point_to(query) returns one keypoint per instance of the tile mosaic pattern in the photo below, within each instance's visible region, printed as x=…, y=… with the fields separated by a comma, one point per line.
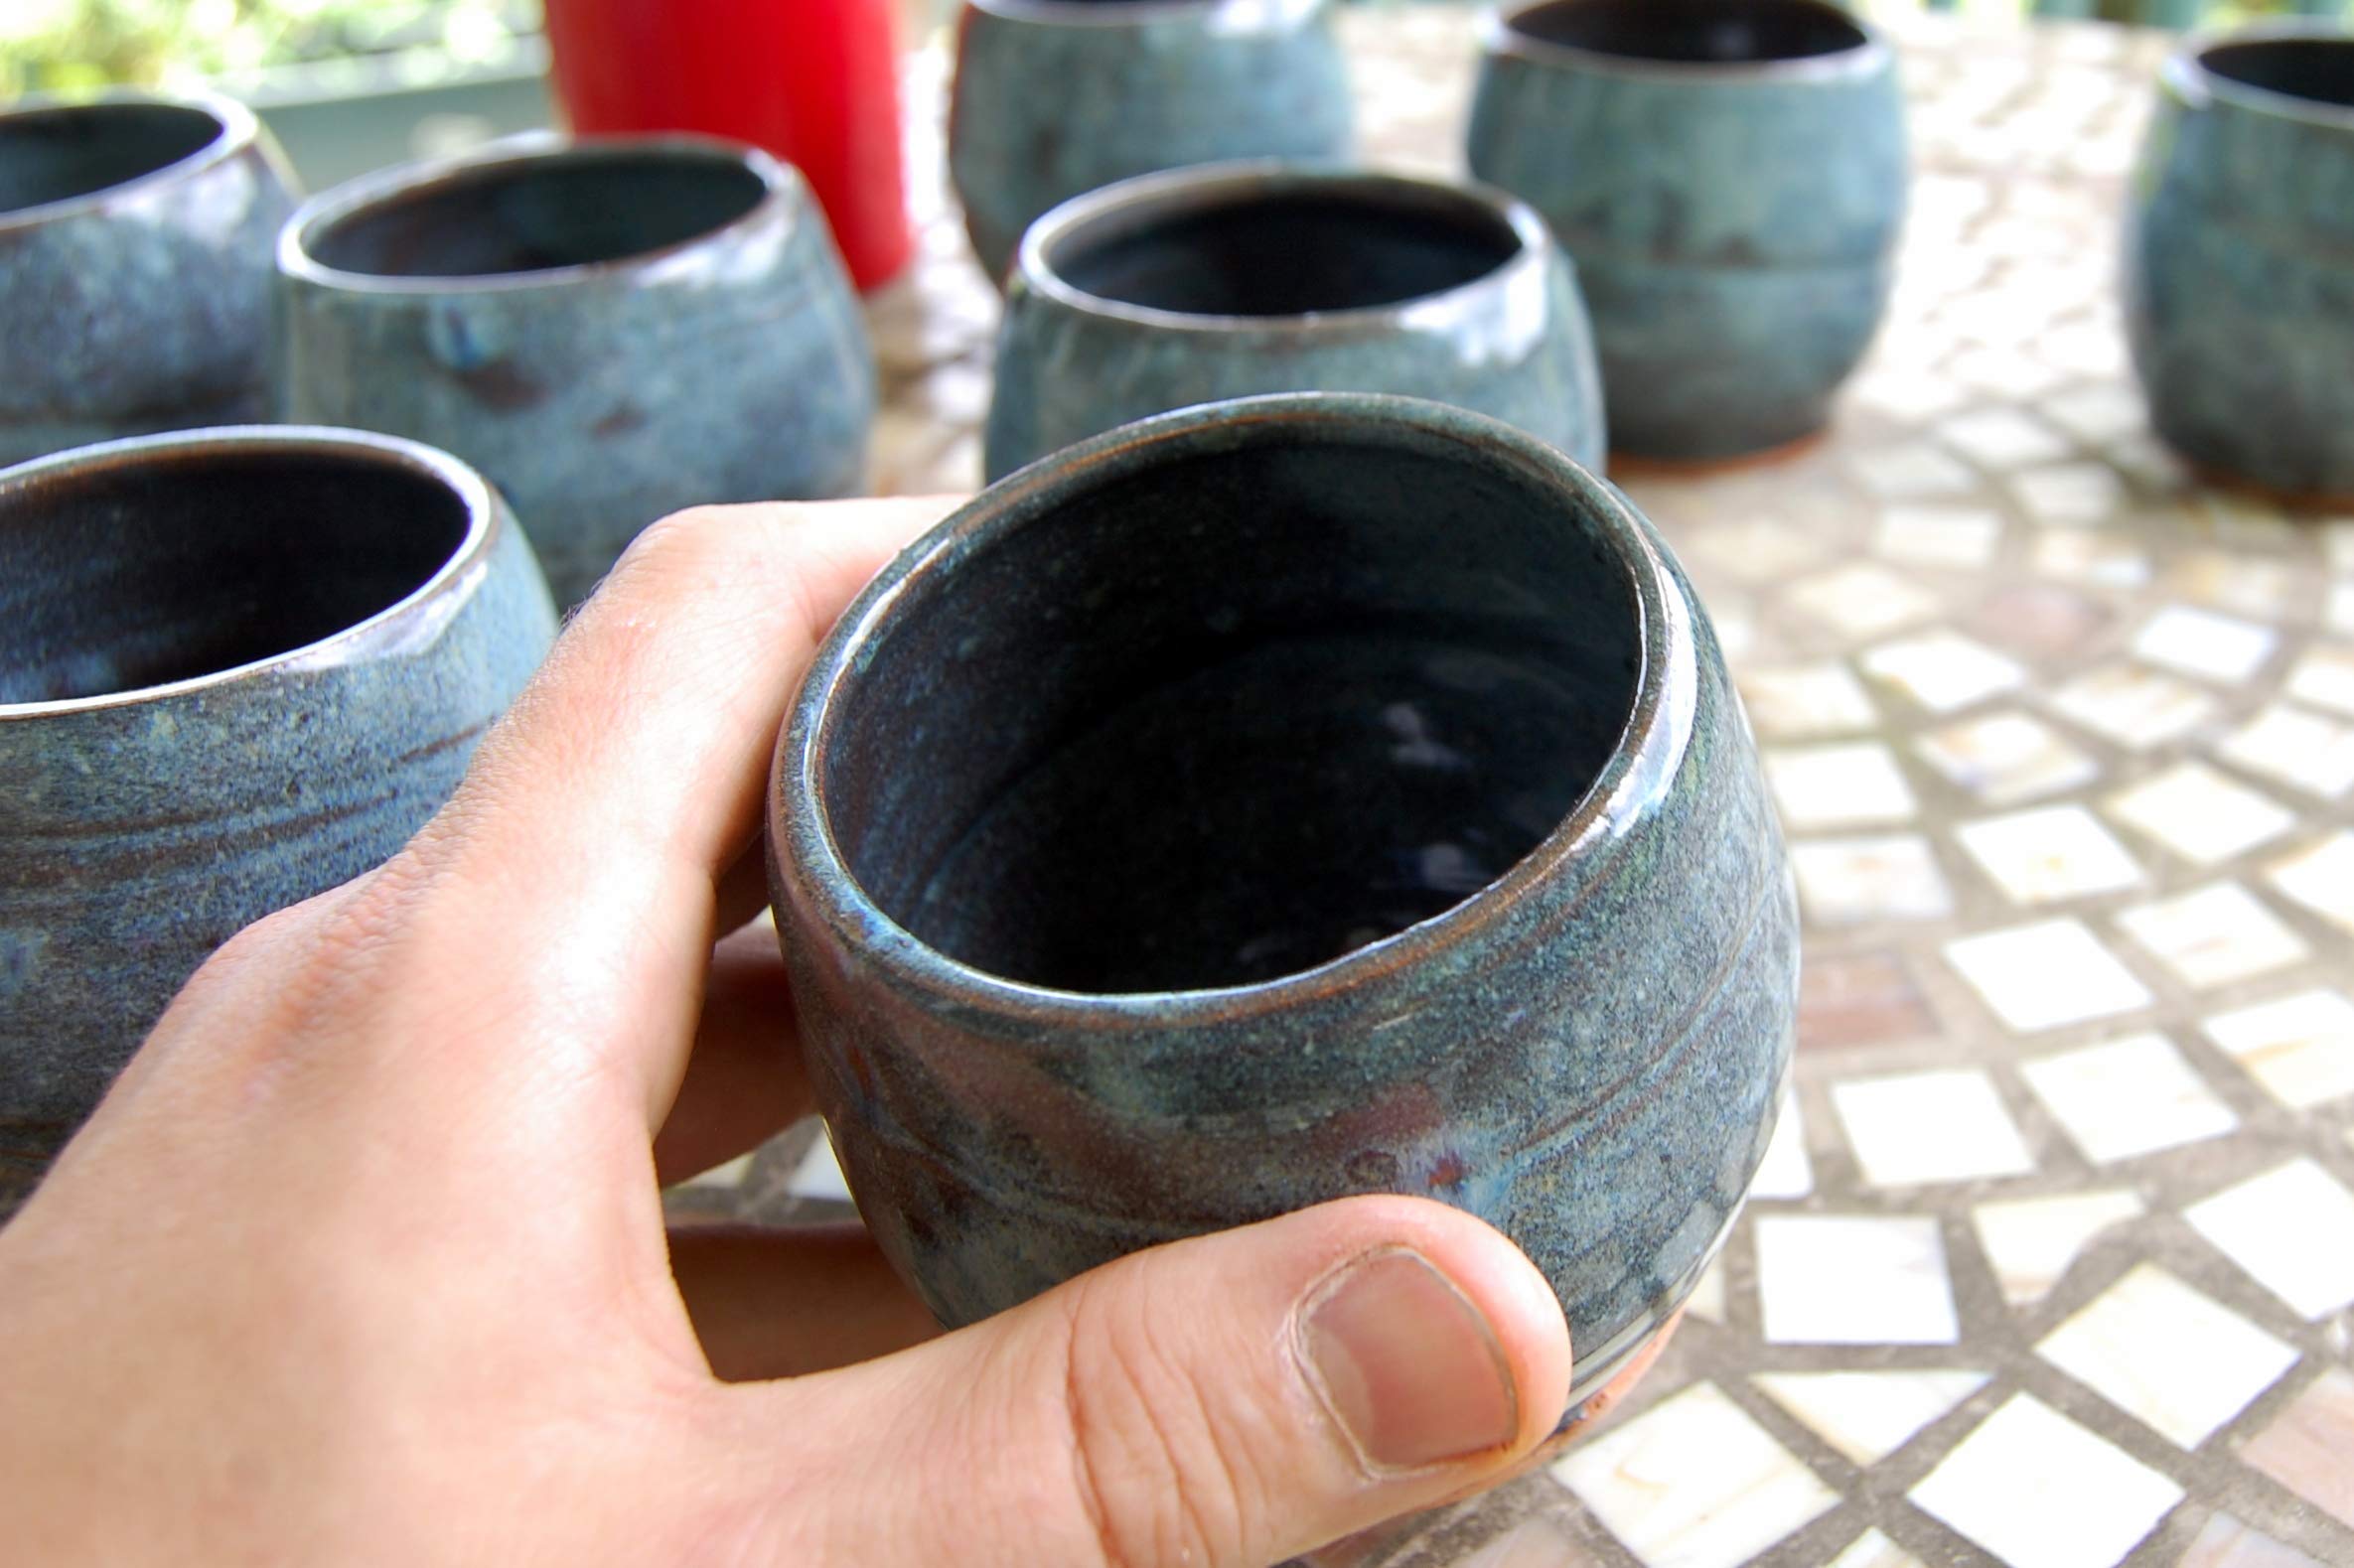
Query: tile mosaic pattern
x=2052, y=1264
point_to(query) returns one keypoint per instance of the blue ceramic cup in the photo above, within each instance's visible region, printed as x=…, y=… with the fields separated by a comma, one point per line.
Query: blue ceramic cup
x=1277, y=801
x=135, y=238
x=1729, y=176
x=610, y=330
x=2240, y=260
x=237, y=668
x=1225, y=281
x=1054, y=97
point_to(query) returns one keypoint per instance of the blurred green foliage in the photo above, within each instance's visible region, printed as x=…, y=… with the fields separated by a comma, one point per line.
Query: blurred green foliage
x=68, y=46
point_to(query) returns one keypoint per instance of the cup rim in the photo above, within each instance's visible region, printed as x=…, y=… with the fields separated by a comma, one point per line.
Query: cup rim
x=1500, y=34
x=805, y=857
x=2187, y=71
x=782, y=186
x=390, y=626
x=1131, y=13
x=1151, y=198
x=235, y=128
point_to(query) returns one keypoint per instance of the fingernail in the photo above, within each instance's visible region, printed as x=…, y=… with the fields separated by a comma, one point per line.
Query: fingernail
x=1406, y=1364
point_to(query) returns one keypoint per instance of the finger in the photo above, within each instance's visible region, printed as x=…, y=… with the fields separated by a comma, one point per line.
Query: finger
x=1230, y=1400
x=782, y=1302
x=583, y=850
x=744, y=1082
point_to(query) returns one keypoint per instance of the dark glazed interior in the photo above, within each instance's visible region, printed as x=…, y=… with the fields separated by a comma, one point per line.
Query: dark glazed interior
x=148, y=569
x=2318, y=69
x=1714, y=32
x=1231, y=717
x=1286, y=251
x=55, y=155
x=570, y=209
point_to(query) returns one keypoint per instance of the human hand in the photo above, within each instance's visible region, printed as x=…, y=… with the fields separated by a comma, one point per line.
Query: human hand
x=364, y=1260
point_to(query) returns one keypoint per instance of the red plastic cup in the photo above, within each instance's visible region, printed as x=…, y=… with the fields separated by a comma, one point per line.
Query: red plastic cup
x=815, y=81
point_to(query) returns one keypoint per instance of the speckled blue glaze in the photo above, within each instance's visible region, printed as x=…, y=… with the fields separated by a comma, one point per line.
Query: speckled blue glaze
x=135, y=237
x=2240, y=258
x=1732, y=210
x=1055, y=97
x=1131, y=300
x=611, y=329
x=1176, y=837
x=237, y=668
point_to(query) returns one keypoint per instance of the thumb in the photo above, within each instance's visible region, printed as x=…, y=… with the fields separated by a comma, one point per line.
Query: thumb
x=1222, y=1402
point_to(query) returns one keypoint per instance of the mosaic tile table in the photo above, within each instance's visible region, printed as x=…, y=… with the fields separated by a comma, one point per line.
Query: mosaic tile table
x=2052, y=1263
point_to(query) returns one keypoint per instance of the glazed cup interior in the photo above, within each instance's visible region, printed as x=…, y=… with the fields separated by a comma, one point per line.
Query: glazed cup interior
x=129, y=570
x=1693, y=32
x=2317, y=71
x=1231, y=714
x=69, y=152
x=578, y=206
x=1209, y=245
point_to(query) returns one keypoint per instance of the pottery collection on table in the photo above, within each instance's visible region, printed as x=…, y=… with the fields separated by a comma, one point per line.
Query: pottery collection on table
x=1249, y=799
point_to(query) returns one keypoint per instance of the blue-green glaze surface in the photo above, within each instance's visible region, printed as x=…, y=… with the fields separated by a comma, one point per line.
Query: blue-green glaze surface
x=143, y=824
x=1055, y=97
x=710, y=349
x=1734, y=220
x=1585, y=1047
x=1509, y=339
x=135, y=237
x=2240, y=258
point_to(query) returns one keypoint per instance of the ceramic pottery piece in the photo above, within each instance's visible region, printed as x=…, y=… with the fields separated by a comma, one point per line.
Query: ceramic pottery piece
x=1729, y=176
x=1217, y=283
x=2240, y=260
x=610, y=330
x=1055, y=97
x=1275, y=801
x=237, y=668
x=135, y=240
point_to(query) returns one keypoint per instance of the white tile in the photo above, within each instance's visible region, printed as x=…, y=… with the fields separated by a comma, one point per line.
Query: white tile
x=2340, y=614
x=2109, y=560
x=2321, y=878
x=2135, y=707
x=1862, y=600
x=2171, y=1358
x=1871, y=1550
x=2002, y=438
x=1867, y=1416
x=1764, y=549
x=2203, y=644
x=2299, y=748
x=724, y=1177
x=1835, y=1279
x=2292, y=1230
x=1694, y=1482
x=1797, y=701
x=1856, y=783
x=1941, y=1126
x=2047, y=974
x=2070, y=495
x=2049, y=854
x=1962, y=538
x=2038, y=1491
x=2104, y=411
x=2324, y=677
x=1708, y=1297
x=2005, y=758
x=2199, y=814
x=2214, y=935
x=2338, y=543
x=1911, y=470
x=819, y=1175
x=2300, y=1048
x=1786, y=1172
x=2128, y=1097
x=1943, y=670
x=2032, y=1242
x=2237, y=581
x=1858, y=881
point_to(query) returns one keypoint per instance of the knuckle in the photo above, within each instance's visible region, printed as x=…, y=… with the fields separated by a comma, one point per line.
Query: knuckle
x=1150, y=1464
